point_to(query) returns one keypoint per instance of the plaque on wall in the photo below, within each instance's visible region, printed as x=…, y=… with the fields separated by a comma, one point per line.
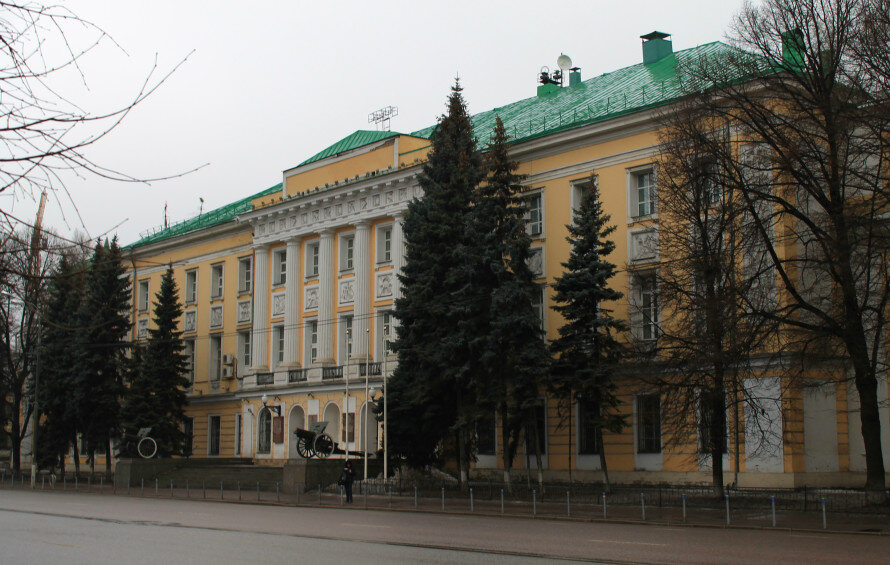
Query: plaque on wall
x=278, y=429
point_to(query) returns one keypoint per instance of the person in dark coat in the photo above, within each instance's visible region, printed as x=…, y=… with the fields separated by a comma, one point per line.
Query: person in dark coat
x=347, y=477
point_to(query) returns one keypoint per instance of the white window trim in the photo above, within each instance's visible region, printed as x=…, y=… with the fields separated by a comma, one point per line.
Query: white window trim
x=209, y=419
x=631, y=174
x=341, y=251
x=585, y=461
x=194, y=298
x=533, y=193
x=574, y=195
x=277, y=345
x=307, y=254
x=192, y=359
x=144, y=299
x=244, y=339
x=222, y=287
x=343, y=353
x=277, y=272
x=647, y=461
x=239, y=432
x=378, y=330
x=307, y=341
x=245, y=283
x=378, y=244
x=215, y=367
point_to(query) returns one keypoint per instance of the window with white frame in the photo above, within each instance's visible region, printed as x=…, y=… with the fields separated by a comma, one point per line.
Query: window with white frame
x=239, y=423
x=191, y=286
x=588, y=428
x=644, y=306
x=217, y=280
x=278, y=345
x=648, y=423
x=245, y=274
x=384, y=244
x=346, y=339
x=534, y=214
x=580, y=189
x=214, y=426
x=312, y=259
x=280, y=258
x=143, y=296
x=538, y=304
x=643, y=192
x=215, y=357
x=347, y=252
x=310, y=338
x=385, y=333
x=189, y=352
x=244, y=348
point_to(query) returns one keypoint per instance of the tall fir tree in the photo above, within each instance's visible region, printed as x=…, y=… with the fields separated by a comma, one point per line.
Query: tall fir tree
x=510, y=348
x=430, y=387
x=156, y=394
x=101, y=359
x=57, y=375
x=587, y=350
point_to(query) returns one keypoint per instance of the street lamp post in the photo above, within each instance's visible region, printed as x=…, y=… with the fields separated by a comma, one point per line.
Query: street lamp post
x=385, y=398
x=365, y=421
x=345, y=425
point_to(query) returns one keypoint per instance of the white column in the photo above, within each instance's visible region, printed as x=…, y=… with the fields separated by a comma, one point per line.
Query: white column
x=260, y=343
x=326, y=296
x=292, y=303
x=362, y=289
x=398, y=250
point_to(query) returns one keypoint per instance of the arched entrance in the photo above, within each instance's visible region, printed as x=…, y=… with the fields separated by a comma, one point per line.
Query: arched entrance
x=332, y=417
x=296, y=419
x=264, y=432
x=368, y=425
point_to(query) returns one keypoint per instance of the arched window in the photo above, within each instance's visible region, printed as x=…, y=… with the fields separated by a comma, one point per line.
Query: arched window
x=264, y=432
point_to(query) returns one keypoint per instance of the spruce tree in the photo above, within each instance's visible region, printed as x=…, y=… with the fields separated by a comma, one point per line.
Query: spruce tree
x=587, y=350
x=156, y=394
x=431, y=382
x=104, y=322
x=510, y=348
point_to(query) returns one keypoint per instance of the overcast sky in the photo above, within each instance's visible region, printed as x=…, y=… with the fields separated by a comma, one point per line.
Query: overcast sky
x=271, y=83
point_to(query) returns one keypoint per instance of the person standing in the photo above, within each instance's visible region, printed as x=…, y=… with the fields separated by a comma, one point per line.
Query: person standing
x=347, y=477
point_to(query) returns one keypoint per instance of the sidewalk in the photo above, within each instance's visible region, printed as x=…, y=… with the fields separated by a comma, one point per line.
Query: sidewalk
x=552, y=508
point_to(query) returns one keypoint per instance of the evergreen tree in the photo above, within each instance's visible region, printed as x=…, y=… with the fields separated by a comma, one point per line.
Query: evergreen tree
x=431, y=385
x=103, y=324
x=510, y=348
x=587, y=350
x=156, y=395
x=58, y=374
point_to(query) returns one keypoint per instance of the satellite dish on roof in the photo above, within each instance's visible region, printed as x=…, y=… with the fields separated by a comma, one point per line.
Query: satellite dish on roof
x=564, y=62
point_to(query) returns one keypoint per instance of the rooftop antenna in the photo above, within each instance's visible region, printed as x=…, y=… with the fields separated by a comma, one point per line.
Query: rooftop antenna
x=201, y=209
x=381, y=117
x=165, y=215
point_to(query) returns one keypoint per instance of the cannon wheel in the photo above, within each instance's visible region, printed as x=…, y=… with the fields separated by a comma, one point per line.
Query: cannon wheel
x=304, y=448
x=323, y=446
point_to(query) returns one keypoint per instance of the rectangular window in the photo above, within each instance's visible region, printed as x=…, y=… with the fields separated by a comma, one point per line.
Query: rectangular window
x=645, y=190
x=213, y=434
x=238, y=424
x=348, y=427
x=588, y=415
x=143, y=296
x=712, y=189
x=189, y=352
x=191, y=286
x=539, y=432
x=347, y=253
x=486, y=435
x=346, y=339
x=244, y=348
x=647, y=305
x=648, y=423
x=280, y=266
x=311, y=341
x=538, y=304
x=279, y=345
x=580, y=189
x=384, y=244
x=706, y=416
x=216, y=281
x=215, y=357
x=312, y=250
x=534, y=215
x=188, y=430
x=385, y=333
x=245, y=274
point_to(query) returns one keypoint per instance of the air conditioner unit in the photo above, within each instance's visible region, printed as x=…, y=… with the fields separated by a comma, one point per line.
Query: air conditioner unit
x=228, y=372
x=228, y=359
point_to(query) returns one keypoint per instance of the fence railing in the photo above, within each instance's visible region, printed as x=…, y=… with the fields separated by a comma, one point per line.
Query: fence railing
x=265, y=378
x=297, y=375
x=332, y=372
x=372, y=369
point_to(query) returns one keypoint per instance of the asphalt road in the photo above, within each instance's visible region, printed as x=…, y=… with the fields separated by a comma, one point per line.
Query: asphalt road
x=54, y=527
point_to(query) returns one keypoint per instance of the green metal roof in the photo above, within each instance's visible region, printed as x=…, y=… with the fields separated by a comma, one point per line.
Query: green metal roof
x=624, y=91
x=209, y=219
x=352, y=141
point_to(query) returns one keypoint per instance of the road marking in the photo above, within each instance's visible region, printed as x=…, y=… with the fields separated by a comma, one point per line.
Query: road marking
x=62, y=544
x=364, y=525
x=627, y=542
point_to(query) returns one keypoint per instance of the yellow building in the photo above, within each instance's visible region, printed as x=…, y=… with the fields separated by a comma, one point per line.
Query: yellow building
x=288, y=293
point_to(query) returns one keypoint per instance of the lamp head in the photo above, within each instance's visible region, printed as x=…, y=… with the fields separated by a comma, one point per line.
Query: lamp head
x=265, y=399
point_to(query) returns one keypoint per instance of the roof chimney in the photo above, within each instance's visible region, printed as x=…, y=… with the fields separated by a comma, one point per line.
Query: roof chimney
x=656, y=46
x=793, y=48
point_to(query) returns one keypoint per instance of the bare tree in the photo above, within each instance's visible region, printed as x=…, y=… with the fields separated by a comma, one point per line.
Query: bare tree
x=813, y=139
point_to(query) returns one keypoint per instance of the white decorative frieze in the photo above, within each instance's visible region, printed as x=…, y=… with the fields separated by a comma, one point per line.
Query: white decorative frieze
x=190, y=321
x=536, y=261
x=644, y=245
x=383, y=286
x=346, y=292
x=216, y=317
x=278, y=301
x=310, y=297
x=142, y=329
x=245, y=311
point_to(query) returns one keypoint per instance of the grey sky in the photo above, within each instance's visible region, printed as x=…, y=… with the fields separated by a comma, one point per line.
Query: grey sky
x=271, y=83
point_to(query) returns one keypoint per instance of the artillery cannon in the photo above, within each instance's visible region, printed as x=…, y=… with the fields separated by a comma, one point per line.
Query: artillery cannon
x=314, y=442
